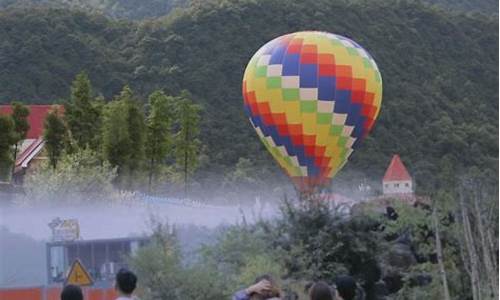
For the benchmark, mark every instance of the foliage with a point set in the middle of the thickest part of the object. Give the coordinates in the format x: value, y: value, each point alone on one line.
x: 187, y: 144
x: 158, y: 265
x: 393, y: 252
x: 46, y: 48
x: 55, y: 136
x: 20, y: 115
x: 482, y: 6
x: 144, y: 9
x: 413, y: 226
x: 305, y: 243
x: 232, y: 249
x: 123, y: 135
x: 7, y: 139
x: 158, y: 131
x: 79, y: 178
x: 163, y: 276
x: 128, y: 9
x: 115, y: 137
x: 82, y: 114
x: 257, y: 265
x: 136, y: 130
x: 477, y: 218
x: 201, y: 282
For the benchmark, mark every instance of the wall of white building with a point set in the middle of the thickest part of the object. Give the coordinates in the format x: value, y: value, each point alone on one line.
x: 398, y: 187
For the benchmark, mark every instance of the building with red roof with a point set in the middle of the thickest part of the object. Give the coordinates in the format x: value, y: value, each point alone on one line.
x: 30, y: 150
x: 35, y: 119
x: 397, y: 180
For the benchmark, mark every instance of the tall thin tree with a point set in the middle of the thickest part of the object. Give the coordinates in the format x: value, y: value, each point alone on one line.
x: 7, y: 140
x: 158, y: 131
x: 136, y: 131
x: 123, y: 135
x: 81, y: 113
x: 54, y: 134
x: 20, y: 115
x: 187, y: 144
x: 439, y: 251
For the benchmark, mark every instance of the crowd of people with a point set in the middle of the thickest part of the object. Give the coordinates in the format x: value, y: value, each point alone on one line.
x: 264, y: 288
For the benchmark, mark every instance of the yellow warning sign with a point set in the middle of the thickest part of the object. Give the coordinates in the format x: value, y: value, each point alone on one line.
x: 78, y: 275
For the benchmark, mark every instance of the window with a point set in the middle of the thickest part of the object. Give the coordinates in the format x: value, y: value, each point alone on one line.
x: 386, y: 185
x: 396, y: 185
x: 407, y: 184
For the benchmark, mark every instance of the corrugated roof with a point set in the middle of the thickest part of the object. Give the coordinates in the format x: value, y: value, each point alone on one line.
x: 25, y: 157
x: 396, y: 170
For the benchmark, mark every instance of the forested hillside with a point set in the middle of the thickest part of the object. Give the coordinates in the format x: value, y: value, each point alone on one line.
x: 440, y: 102
x: 145, y: 9
x: 484, y: 6
x: 122, y: 9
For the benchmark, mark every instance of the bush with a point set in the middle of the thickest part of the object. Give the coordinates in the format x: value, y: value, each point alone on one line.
x: 79, y: 178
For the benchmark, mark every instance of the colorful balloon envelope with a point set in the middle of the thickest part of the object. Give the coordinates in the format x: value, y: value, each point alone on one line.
x: 312, y: 97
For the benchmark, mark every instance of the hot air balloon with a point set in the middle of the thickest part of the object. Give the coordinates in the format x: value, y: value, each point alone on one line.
x: 312, y: 97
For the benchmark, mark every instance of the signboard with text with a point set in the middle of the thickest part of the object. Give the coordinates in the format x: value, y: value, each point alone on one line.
x: 65, y: 230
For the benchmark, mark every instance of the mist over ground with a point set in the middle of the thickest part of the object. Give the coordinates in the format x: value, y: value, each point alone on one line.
x: 24, y: 230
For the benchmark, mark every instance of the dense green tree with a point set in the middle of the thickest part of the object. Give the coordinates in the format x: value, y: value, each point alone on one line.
x: 123, y: 135
x: 55, y: 135
x: 136, y: 129
x: 115, y: 136
x: 81, y: 114
x: 20, y: 114
x: 7, y: 140
x: 159, y: 264
x: 159, y: 131
x: 187, y: 144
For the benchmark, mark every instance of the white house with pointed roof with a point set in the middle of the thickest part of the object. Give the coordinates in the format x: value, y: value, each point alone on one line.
x: 397, y: 180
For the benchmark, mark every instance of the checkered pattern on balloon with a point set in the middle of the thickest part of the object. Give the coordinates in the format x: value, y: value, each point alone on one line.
x: 312, y: 97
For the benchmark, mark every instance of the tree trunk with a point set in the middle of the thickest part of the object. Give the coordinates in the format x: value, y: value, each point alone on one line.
x: 493, y: 249
x: 14, y: 163
x: 471, y: 251
x: 464, y: 287
x: 186, y: 149
x: 185, y: 173
x: 491, y: 273
x: 151, y: 165
x: 439, y: 250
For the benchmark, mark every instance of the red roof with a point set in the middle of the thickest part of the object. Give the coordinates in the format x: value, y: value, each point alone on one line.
x: 35, y: 119
x: 396, y: 170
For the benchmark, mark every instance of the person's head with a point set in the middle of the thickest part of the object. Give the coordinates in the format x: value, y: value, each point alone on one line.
x: 273, y: 293
x: 320, y: 291
x: 346, y: 287
x: 267, y: 277
x: 71, y: 292
x: 125, y: 282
